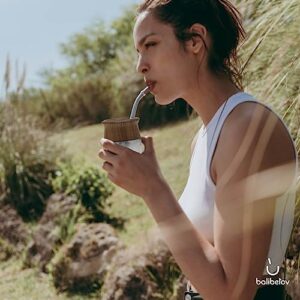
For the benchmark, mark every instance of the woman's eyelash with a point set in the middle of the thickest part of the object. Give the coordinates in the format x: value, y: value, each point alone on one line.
x: 150, y: 44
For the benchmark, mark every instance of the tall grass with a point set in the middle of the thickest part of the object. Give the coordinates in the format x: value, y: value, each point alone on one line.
x: 27, y: 157
x: 271, y: 59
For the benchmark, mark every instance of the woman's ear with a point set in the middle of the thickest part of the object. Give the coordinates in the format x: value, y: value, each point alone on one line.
x: 198, y: 39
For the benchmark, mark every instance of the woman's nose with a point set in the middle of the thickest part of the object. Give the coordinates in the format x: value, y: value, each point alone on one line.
x: 142, y: 67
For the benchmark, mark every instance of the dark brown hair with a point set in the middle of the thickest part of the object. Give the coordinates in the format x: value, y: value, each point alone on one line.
x: 222, y: 21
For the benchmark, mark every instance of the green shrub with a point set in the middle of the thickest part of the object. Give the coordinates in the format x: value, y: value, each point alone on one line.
x: 166, y: 277
x: 90, y: 186
x: 27, y: 157
x: 6, y: 250
x: 65, y: 225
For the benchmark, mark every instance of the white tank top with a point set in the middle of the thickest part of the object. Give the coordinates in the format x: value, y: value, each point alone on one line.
x: 197, y: 199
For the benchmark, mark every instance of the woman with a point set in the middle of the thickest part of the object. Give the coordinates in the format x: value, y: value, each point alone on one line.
x: 230, y: 229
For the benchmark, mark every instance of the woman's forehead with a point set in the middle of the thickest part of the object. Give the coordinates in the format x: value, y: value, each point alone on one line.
x: 145, y: 24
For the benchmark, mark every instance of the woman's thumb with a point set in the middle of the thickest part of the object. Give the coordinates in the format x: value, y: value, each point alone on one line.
x: 148, y: 142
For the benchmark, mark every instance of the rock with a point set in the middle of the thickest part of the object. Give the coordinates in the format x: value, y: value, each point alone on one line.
x: 128, y: 280
x: 57, y: 206
x: 13, y: 230
x: 44, y: 240
x: 81, y: 265
x: 149, y: 275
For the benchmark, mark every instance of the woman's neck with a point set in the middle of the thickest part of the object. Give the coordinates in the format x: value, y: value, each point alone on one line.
x: 210, y: 93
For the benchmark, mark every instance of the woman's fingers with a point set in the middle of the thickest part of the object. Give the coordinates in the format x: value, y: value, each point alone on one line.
x: 107, y: 156
x: 107, y: 167
x: 111, y: 146
x: 148, y: 142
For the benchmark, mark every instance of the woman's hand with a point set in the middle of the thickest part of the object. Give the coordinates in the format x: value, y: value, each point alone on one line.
x: 137, y: 173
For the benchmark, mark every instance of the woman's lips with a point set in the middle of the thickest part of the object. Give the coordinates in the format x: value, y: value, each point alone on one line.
x: 151, y: 85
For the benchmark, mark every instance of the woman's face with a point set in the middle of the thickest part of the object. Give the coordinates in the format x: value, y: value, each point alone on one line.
x: 166, y: 67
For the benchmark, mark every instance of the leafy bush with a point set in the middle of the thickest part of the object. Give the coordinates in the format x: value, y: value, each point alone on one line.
x: 27, y: 157
x: 90, y: 186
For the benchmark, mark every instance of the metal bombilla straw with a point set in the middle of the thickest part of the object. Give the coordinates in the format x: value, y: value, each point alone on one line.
x: 141, y: 95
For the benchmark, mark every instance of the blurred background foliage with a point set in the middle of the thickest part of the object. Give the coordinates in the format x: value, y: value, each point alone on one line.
x: 100, y: 82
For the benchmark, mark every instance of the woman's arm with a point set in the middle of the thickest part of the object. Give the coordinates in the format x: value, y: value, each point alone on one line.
x: 243, y: 208
x: 197, y: 258
x: 252, y: 172
x: 194, y: 254
x: 255, y: 164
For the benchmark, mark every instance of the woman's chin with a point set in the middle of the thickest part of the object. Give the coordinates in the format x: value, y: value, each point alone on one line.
x: 163, y: 100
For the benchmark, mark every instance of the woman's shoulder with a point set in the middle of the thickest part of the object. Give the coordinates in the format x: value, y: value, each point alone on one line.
x: 259, y: 121
x: 256, y: 117
x: 251, y: 130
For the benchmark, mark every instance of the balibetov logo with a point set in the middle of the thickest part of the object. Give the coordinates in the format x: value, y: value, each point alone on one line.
x: 270, y: 280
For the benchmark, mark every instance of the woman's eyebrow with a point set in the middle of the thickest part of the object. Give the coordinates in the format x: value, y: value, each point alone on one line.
x: 142, y: 40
